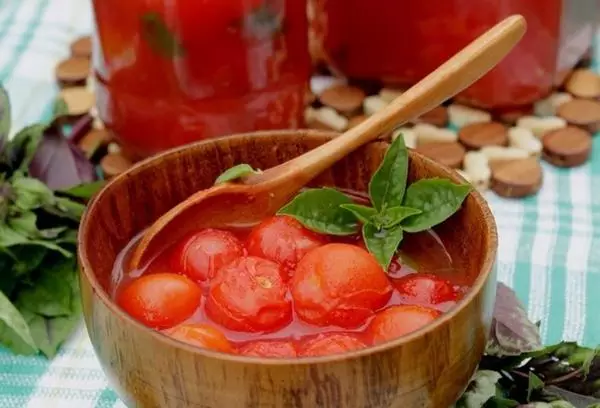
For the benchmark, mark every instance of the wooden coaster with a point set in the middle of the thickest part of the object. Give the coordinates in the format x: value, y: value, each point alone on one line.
x: 82, y: 47
x: 345, y: 99
x: 93, y: 140
x: 450, y: 154
x: 516, y: 178
x: 479, y: 135
x: 79, y: 100
x: 114, y: 164
x: 583, y: 83
x: 73, y: 71
x: 568, y: 147
x: 438, y: 116
x: 581, y: 112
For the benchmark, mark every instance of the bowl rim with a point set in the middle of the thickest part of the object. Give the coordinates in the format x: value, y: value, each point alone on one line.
x: 86, y: 270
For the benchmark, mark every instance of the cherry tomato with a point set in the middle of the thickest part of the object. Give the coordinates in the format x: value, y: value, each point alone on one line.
x: 202, y: 254
x: 284, y: 240
x: 339, y: 284
x: 201, y: 335
x: 329, y: 343
x: 160, y: 300
x: 249, y: 295
x: 397, y: 321
x: 269, y: 348
x: 419, y: 288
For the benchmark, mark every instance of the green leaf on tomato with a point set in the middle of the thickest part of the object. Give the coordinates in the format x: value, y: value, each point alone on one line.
x: 236, y: 172
x: 320, y: 211
x: 393, y: 216
x: 159, y: 37
x: 361, y: 212
x: 388, y: 184
x: 436, y: 198
x: 382, y: 242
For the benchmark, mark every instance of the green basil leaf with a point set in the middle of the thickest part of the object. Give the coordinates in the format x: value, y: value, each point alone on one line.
x: 361, y: 212
x: 27, y: 259
x: 50, y: 333
x: 5, y: 116
x: 236, y: 172
x: 382, y: 242
x: 14, y: 332
x: 156, y: 33
x: 31, y: 193
x: 25, y: 224
x: 481, y: 388
x: 85, y: 190
x: 534, y: 384
x: 393, y: 216
x: 437, y: 199
x: 24, y: 145
x: 50, y: 296
x: 319, y: 210
x: 51, y: 246
x: 65, y: 208
x: 52, y: 233
x: 387, y: 185
x: 10, y: 237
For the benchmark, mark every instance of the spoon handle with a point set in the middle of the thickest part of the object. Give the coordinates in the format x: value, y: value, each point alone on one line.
x: 456, y: 74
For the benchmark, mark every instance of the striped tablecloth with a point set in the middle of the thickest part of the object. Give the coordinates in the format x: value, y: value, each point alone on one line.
x: 549, y: 244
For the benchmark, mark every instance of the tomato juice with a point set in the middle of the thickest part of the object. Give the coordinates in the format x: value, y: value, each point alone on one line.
x: 279, y: 290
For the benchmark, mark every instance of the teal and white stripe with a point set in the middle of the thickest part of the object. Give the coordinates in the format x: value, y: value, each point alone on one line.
x: 549, y: 244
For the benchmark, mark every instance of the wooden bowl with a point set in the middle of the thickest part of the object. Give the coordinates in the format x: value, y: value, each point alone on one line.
x: 428, y: 368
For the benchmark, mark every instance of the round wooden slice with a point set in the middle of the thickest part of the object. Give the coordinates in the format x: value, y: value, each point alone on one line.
x: 356, y: 120
x: 73, y: 71
x: 583, y: 83
x: 581, y: 112
x: 567, y: 147
x: 82, y: 47
x: 114, y: 164
x: 450, y: 154
x: 438, y: 116
x: 79, y: 100
x: 516, y: 178
x: 345, y: 99
x: 478, y: 135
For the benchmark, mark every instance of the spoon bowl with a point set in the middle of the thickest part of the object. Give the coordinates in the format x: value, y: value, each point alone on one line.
x: 263, y: 194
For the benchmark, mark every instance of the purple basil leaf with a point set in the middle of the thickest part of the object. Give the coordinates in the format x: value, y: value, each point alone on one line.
x: 512, y: 332
x: 60, y: 164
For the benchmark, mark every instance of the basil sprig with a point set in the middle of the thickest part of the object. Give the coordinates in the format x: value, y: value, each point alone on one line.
x: 396, y: 209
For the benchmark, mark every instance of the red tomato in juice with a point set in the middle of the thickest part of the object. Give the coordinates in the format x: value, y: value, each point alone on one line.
x: 397, y: 321
x: 201, y: 255
x: 160, y: 300
x: 284, y: 240
x: 269, y: 348
x: 329, y: 343
x: 339, y: 284
x: 201, y: 335
x: 425, y: 289
x: 249, y: 295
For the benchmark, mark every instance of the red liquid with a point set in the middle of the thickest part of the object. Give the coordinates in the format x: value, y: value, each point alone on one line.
x: 298, y: 329
x: 172, y: 72
x: 399, y: 42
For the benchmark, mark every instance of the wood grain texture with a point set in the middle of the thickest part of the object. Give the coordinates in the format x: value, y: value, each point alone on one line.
x: 429, y: 368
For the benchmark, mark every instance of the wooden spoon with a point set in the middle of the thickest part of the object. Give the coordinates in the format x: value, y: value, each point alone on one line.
x: 261, y: 195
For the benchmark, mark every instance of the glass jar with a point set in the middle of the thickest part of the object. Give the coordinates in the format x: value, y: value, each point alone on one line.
x: 399, y: 42
x: 169, y: 72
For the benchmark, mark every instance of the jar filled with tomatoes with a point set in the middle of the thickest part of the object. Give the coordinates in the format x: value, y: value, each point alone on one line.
x: 399, y: 42
x: 172, y: 72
